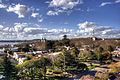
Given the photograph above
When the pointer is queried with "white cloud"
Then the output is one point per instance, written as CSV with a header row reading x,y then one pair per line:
x,y
23,31
40,20
64,4
86,25
35,15
1,27
117,1
20,10
56,12
52,13
61,6
105,3
88,9
2,5
19,27
86,29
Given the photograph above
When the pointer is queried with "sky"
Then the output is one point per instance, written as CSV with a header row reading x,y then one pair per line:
x,y
51,19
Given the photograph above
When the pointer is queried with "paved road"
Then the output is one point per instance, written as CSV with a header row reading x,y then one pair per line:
x,y
92,73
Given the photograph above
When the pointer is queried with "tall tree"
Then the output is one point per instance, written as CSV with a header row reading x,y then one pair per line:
x,y
65,37
8,69
50,44
44,63
100,49
33,68
75,51
65,41
110,48
67,62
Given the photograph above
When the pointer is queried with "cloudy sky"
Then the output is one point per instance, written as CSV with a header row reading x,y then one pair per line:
x,y
51,19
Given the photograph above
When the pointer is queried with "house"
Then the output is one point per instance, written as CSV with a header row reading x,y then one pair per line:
x,y
17,55
29,52
81,49
21,60
67,47
116,52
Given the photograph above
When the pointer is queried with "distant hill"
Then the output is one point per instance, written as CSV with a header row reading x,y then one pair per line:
x,y
78,42
97,43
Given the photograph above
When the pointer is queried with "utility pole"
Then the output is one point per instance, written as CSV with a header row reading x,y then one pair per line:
x,y
64,62
93,38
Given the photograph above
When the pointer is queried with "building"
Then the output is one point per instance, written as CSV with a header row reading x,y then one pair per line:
x,y
116,52
21,60
17,55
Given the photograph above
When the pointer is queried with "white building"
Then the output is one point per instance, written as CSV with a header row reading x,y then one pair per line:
x,y
17,55
21,60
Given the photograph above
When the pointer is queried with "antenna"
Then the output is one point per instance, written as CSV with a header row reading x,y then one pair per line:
x,y
93,33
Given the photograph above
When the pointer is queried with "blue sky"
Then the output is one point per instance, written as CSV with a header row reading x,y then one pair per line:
x,y
51,19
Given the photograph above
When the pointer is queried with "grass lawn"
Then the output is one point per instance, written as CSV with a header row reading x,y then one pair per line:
x,y
93,66
53,77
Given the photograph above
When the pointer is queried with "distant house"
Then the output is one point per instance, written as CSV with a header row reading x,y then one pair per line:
x,y
84,46
17,55
29,52
12,48
116,52
21,60
96,38
67,47
81,49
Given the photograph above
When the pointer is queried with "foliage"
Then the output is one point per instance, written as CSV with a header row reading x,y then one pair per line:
x,y
106,55
100,50
28,57
92,66
110,48
10,52
87,55
27,48
9,70
99,56
67,62
50,44
75,52
65,41
34,68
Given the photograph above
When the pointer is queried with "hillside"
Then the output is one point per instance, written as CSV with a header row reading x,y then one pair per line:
x,y
78,42
97,43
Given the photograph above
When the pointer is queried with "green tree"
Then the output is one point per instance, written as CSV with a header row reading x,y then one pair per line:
x,y
65,37
9,70
10,52
99,57
27,48
32,68
75,52
44,63
29,70
106,55
65,41
67,62
110,48
50,44
87,55
100,49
